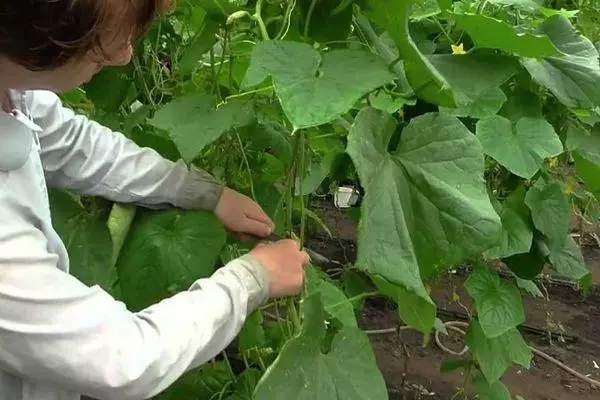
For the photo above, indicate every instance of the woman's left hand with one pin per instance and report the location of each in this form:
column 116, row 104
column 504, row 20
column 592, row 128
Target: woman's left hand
column 242, row 215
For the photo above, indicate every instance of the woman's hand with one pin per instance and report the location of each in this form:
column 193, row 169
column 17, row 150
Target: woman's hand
column 243, row 216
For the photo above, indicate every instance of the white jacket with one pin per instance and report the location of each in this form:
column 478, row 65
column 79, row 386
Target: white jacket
column 60, row 339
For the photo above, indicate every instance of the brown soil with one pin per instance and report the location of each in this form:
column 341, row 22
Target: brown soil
column 412, row 371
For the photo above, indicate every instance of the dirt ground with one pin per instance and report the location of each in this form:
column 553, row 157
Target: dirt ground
column 412, row 371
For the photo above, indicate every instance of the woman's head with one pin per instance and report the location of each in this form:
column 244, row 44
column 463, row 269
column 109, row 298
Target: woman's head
column 59, row 44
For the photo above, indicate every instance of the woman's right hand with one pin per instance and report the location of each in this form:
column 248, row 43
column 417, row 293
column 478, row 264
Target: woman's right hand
column 285, row 262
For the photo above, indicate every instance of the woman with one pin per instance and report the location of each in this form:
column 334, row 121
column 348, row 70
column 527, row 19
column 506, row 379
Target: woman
column 60, row 339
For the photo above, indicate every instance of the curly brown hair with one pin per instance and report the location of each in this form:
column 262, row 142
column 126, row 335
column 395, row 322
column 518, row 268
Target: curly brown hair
column 46, row 34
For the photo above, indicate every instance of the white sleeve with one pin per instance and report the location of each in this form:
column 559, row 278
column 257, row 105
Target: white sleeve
column 55, row 329
column 86, row 157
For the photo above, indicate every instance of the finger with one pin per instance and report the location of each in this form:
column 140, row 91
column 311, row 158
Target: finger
column 257, row 213
column 256, row 228
column 305, row 258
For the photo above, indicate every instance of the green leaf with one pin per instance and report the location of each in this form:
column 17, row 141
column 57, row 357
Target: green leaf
column 474, row 76
column 575, row 77
column 528, row 265
column 348, row 371
column 415, row 310
column 428, row 192
column 481, row 105
column 521, row 4
column 440, row 327
column 335, row 301
column 193, row 122
column 252, row 333
column 529, row 286
column 495, row 355
column 492, row 33
column 585, row 147
column 315, row 88
column 423, row 9
column 521, row 103
column 495, row 391
column 199, row 383
column 568, row 260
column 452, row 365
column 109, row 87
column 550, row 211
column 200, row 44
column 87, row 240
column 331, row 20
column 516, row 236
column 165, row 252
column 393, row 16
column 245, row 384
column 355, row 285
column 273, row 138
column 521, row 148
column 498, row 302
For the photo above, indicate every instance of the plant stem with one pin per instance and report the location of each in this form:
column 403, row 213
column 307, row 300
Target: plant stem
column 261, row 24
column 294, row 316
column 285, row 26
column 309, row 14
column 239, row 139
column 302, row 139
column 233, row 377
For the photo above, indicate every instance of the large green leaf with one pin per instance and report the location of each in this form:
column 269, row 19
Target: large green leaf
column 87, row 239
column 423, row 9
column 498, row 302
column 568, row 260
column 528, row 265
column 492, row 33
column 479, row 105
column 474, row 78
column 200, row 383
column 415, row 310
column 575, row 77
column 200, row 44
column 108, row 89
column 446, row 80
column 495, row 391
column 393, row 16
column 517, row 235
column 166, row 252
column 331, row 20
column 585, row 147
column 315, row 88
column 550, row 211
column 194, row 122
column 304, row 371
column 521, row 148
column 252, row 334
column 495, row 355
column 428, row 193
column 334, row 300
column 529, row 286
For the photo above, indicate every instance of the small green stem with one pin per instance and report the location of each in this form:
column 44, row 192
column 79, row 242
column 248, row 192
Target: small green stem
column 302, row 139
column 294, row 316
column 439, row 24
column 285, row 26
column 354, row 298
column 239, row 140
column 309, row 14
column 229, row 369
column 225, row 43
column 261, row 24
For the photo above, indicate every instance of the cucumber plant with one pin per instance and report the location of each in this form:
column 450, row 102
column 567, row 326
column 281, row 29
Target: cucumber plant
column 471, row 126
